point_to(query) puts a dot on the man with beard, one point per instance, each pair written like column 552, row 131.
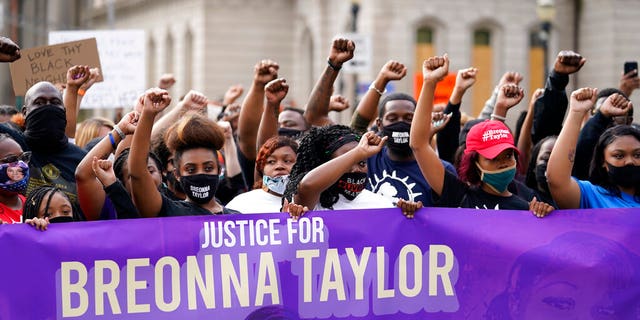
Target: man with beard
column 393, row 172
column 54, row 159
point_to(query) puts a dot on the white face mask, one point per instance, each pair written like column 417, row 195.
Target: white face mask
column 276, row 184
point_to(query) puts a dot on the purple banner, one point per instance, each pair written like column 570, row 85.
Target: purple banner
column 361, row 264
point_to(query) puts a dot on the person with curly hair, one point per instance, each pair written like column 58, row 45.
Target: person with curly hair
column 47, row 205
column 275, row 159
column 331, row 172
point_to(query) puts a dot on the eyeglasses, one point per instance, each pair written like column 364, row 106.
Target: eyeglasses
column 24, row 157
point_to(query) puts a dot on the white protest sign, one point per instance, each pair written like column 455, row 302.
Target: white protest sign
column 361, row 62
column 123, row 60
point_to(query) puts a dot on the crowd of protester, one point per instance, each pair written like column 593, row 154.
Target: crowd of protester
column 577, row 150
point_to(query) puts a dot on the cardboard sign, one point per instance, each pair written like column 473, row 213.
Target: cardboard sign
column 123, row 58
column 50, row 63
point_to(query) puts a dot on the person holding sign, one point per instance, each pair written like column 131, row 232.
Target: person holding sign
column 489, row 161
column 194, row 141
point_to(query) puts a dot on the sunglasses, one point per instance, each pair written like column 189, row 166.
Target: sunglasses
column 24, row 157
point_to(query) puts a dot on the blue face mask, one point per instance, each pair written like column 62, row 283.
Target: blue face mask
column 277, row 185
column 498, row 180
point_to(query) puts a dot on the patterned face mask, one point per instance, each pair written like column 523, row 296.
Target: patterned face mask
column 276, row 184
column 351, row 184
column 14, row 176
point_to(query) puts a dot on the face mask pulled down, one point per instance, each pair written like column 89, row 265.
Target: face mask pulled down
column 277, row 185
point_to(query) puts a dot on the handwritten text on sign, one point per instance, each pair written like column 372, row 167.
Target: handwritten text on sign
column 50, row 63
column 123, row 58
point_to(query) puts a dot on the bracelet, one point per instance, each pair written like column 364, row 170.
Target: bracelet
column 501, row 118
column 333, row 66
column 381, row 93
column 81, row 92
column 113, row 141
column 119, row 132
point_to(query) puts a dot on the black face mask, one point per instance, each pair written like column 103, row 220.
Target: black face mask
column 351, row 184
column 173, row 182
column 398, row 141
column 45, row 127
column 200, row 188
column 61, row 219
column 288, row 132
column 541, row 178
column 626, row 177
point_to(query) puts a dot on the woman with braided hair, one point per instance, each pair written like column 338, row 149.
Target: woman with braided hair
column 46, row 205
column 331, row 171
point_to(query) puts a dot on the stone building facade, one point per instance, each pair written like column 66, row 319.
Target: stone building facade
column 211, row 44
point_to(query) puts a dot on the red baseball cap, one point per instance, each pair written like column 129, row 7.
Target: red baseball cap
column 489, row 138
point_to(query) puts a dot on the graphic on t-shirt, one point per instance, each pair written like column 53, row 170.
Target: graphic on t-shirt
column 484, row 207
column 50, row 172
column 393, row 187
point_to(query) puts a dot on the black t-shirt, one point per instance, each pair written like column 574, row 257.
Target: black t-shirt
column 52, row 168
column 173, row 208
column 457, row 194
column 58, row 170
column 121, row 201
column 247, row 166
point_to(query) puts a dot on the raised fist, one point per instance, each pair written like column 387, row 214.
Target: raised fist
column 466, row 78
column 77, row 75
column 233, row 93
column 509, row 95
column 341, row 51
column 9, row 50
column 568, row 62
column 435, row 68
column 582, row 100
column 393, row 70
column 338, row 103
column 510, row 77
column 166, row 81
column 276, row 90
column 616, row 105
column 265, row 71
column 155, row 100
column 194, row 101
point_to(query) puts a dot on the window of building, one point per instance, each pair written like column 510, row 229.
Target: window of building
column 482, row 58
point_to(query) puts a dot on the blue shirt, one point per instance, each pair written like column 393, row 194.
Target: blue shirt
column 399, row 179
column 594, row 196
